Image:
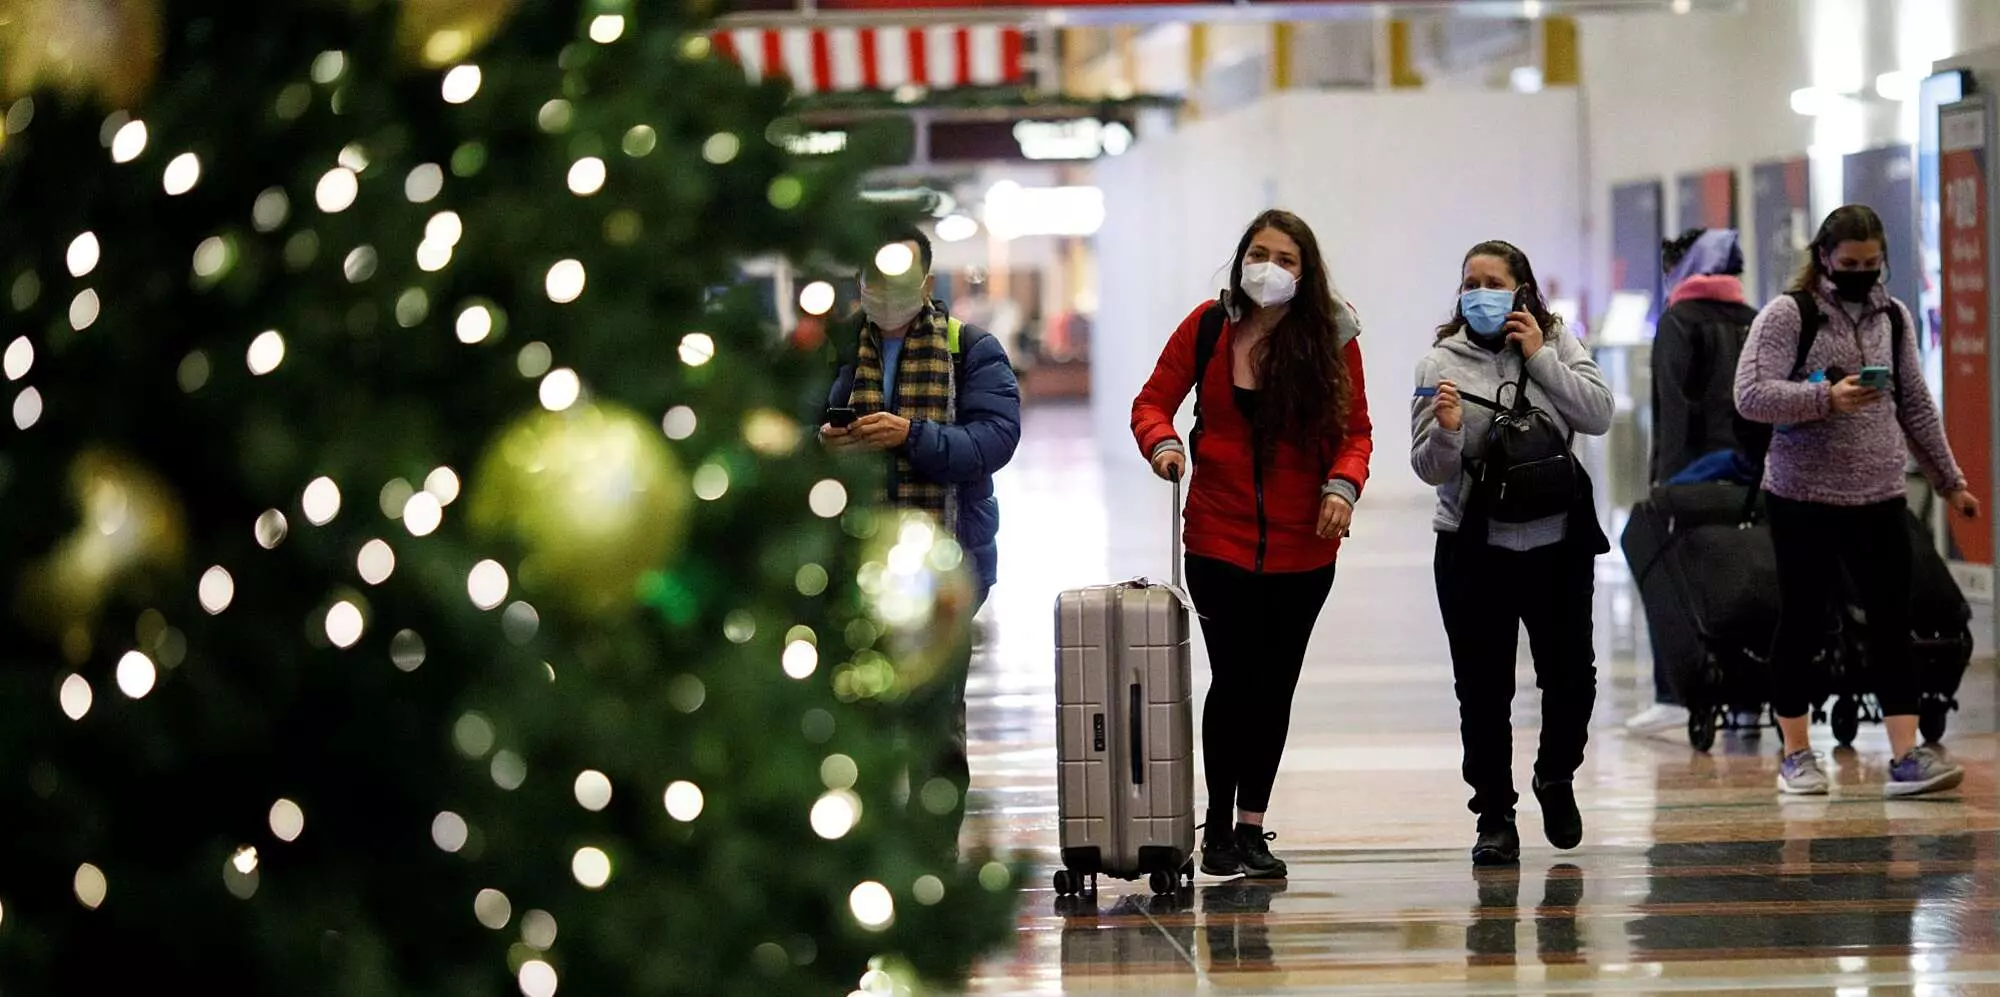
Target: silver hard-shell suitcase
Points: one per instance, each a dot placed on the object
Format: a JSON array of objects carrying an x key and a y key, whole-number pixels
[{"x": 1125, "y": 732}]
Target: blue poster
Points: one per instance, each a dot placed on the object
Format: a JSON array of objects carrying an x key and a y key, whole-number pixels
[
  {"x": 1635, "y": 240},
  {"x": 1885, "y": 179},
  {"x": 1780, "y": 207}
]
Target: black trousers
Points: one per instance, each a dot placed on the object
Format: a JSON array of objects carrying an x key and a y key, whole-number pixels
[
  {"x": 938, "y": 715},
  {"x": 1486, "y": 594},
  {"x": 1256, "y": 627},
  {"x": 1814, "y": 542}
]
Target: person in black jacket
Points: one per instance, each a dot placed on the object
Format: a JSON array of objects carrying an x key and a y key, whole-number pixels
[
  {"x": 1694, "y": 356},
  {"x": 1695, "y": 425}
]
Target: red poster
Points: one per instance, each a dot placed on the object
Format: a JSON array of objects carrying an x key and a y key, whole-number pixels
[{"x": 1968, "y": 419}]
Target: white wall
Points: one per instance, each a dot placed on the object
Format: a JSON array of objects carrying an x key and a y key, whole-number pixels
[{"x": 1397, "y": 186}]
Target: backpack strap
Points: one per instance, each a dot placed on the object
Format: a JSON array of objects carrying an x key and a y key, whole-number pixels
[
  {"x": 952, "y": 329},
  {"x": 1206, "y": 336},
  {"x": 1485, "y": 403},
  {"x": 1896, "y": 334},
  {"x": 1810, "y": 321}
]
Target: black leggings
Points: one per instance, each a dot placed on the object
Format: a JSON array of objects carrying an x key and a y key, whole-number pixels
[
  {"x": 1814, "y": 542},
  {"x": 1486, "y": 594},
  {"x": 1256, "y": 627}
]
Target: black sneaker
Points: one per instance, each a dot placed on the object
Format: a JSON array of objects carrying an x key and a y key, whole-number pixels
[
  {"x": 1251, "y": 850},
  {"x": 1218, "y": 851},
  {"x": 1561, "y": 820},
  {"x": 1499, "y": 843}
]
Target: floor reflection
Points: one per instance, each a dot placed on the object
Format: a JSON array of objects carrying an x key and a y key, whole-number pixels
[{"x": 1694, "y": 876}]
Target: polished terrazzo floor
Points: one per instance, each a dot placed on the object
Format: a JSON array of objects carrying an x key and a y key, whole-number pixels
[{"x": 1693, "y": 876}]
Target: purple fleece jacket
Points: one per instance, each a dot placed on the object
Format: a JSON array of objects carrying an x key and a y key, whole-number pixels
[{"x": 1817, "y": 454}]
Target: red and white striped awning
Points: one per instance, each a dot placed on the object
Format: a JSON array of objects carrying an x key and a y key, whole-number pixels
[{"x": 824, "y": 60}]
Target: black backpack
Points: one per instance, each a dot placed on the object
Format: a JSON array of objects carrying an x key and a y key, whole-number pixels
[
  {"x": 1755, "y": 437},
  {"x": 1529, "y": 471}
]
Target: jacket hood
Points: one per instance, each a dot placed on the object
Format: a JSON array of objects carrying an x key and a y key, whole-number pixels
[
  {"x": 1461, "y": 344},
  {"x": 1708, "y": 287},
  {"x": 1346, "y": 323},
  {"x": 1715, "y": 251}
]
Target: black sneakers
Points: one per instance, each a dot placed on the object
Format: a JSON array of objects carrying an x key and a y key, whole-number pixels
[
  {"x": 1255, "y": 856},
  {"x": 1218, "y": 849},
  {"x": 1499, "y": 842},
  {"x": 1561, "y": 820}
]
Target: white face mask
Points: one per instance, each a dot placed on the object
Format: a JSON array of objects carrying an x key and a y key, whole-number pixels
[
  {"x": 894, "y": 302},
  {"x": 1269, "y": 284},
  {"x": 890, "y": 310}
]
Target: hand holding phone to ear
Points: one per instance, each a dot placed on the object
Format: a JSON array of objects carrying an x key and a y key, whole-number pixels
[{"x": 1522, "y": 328}]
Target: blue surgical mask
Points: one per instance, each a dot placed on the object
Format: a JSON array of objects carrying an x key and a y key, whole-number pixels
[{"x": 1486, "y": 309}]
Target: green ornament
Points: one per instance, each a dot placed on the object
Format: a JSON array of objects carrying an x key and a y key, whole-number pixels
[{"x": 594, "y": 499}]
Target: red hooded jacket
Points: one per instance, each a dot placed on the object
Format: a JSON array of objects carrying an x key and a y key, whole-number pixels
[{"x": 1258, "y": 513}]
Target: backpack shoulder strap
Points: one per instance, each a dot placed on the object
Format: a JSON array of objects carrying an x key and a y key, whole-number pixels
[
  {"x": 961, "y": 339},
  {"x": 1896, "y": 333},
  {"x": 1810, "y": 320},
  {"x": 1206, "y": 336}
]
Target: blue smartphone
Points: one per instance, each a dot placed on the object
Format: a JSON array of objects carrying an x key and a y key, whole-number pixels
[
  {"x": 1427, "y": 392},
  {"x": 1875, "y": 377}
]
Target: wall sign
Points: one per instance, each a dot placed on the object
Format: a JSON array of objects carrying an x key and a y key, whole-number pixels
[
  {"x": 1964, "y": 217},
  {"x": 1886, "y": 179},
  {"x": 1635, "y": 241},
  {"x": 1706, "y": 200},
  {"x": 1079, "y": 138},
  {"x": 1781, "y": 206}
]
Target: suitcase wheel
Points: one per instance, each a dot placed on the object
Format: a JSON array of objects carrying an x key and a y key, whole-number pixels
[
  {"x": 1701, "y": 728},
  {"x": 1071, "y": 884},
  {"x": 1163, "y": 881},
  {"x": 1846, "y": 720}
]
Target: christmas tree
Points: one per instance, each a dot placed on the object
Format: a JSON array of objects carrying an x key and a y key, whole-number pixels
[{"x": 420, "y": 575}]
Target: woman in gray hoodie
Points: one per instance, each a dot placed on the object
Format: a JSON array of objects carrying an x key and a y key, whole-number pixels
[{"x": 1493, "y": 576}]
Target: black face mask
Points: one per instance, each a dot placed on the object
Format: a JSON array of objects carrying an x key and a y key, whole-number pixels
[{"x": 1855, "y": 285}]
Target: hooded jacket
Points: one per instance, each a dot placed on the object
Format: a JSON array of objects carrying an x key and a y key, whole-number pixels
[
  {"x": 1256, "y": 512},
  {"x": 1561, "y": 380},
  {"x": 1695, "y": 351}
]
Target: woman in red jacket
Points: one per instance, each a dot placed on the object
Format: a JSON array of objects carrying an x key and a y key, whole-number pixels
[{"x": 1280, "y": 448}]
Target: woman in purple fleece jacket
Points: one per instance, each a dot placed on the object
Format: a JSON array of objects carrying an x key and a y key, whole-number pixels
[{"x": 1834, "y": 486}]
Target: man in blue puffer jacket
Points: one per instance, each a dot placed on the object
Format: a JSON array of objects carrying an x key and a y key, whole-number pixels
[{"x": 940, "y": 400}]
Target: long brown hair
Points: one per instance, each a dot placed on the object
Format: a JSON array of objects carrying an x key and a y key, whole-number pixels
[
  {"x": 1523, "y": 273},
  {"x": 1849, "y": 223},
  {"x": 1300, "y": 364}
]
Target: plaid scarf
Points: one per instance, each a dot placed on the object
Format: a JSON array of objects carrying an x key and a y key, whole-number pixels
[{"x": 926, "y": 388}]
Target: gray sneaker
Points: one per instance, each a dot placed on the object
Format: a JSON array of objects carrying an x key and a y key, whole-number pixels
[
  {"x": 1799, "y": 774},
  {"x": 1922, "y": 771}
]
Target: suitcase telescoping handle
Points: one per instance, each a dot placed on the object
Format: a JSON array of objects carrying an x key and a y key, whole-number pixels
[
  {"x": 1175, "y": 477},
  {"x": 1136, "y": 713}
]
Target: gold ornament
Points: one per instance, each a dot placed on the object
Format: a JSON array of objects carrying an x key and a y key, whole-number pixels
[
  {"x": 594, "y": 498},
  {"x": 917, "y": 585},
  {"x": 440, "y": 33},
  {"x": 130, "y": 522},
  {"x": 106, "y": 49}
]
